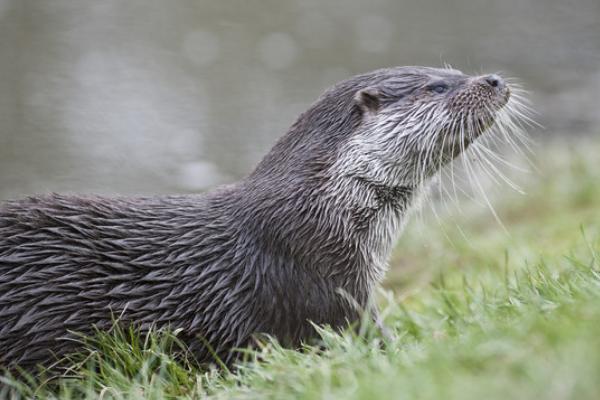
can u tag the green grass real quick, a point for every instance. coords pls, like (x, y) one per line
(479, 313)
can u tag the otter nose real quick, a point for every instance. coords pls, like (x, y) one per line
(494, 81)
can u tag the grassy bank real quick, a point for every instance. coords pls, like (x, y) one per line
(479, 312)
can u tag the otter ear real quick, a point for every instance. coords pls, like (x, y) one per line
(367, 100)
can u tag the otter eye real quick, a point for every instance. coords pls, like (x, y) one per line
(439, 87)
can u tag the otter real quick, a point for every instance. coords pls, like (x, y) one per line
(304, 239)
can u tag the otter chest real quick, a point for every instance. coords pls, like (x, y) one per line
(379, 223)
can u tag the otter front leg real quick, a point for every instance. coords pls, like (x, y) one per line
(385, 332)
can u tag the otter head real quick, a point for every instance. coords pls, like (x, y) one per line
(414, 120)
(391, 127)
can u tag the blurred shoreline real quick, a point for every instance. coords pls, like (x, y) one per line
(155, 97)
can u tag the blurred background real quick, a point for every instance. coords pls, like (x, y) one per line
(149, 96)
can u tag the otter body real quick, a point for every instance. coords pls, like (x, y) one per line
(304, 238)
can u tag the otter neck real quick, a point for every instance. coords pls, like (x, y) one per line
(341, 229)
(376, 214)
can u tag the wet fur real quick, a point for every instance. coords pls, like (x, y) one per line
(306, 237)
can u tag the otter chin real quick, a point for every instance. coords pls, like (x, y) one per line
(304, 239)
